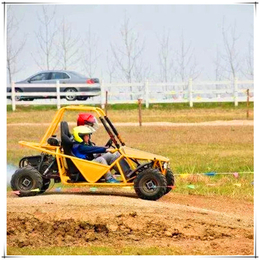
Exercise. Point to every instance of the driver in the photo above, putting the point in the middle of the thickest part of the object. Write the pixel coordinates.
(86, 119)
(83, 149)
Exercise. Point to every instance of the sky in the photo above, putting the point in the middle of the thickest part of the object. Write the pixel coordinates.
(200, 24)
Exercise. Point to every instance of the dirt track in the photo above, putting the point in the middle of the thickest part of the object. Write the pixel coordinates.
(192, 225)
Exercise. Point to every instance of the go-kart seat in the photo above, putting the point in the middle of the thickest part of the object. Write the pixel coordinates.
(66, 143)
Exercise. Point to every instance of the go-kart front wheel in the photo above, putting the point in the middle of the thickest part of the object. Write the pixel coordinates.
(150, 184)
(27, 181)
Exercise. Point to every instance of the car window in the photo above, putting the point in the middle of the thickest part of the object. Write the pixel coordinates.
(40, 76)
(59, 75)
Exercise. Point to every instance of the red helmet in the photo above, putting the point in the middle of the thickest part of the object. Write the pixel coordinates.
(87, 119)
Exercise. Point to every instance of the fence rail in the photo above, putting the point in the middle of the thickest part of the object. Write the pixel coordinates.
(149, 92)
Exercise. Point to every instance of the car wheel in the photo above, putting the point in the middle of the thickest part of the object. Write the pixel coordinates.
(68, 96)
(150, 184)
(17, 90)
(27, 181)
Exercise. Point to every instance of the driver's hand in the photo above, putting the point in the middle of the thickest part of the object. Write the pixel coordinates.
(110, 150)
(109, 143)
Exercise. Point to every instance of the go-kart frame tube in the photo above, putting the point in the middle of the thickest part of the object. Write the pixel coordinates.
(60, 157)
(58, 117)
(109, 132)
(102, 116)
(114, 130)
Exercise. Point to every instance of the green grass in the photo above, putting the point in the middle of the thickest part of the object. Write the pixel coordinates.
(197, 149)
(220, 184)
(166, 106)
(96, 250)
(28, 108)
(129, 113)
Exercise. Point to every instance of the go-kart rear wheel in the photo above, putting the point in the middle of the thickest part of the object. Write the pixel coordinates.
(27, 181)
(150, 184)
(170, 180)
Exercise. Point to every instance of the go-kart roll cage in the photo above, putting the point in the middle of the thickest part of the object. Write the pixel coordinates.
(93, 171)
(102, 116)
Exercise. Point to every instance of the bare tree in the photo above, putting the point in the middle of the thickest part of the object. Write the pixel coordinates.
(187, 66)
(127, 55)
(219, 70)
(90, 56)
(249, 62)
(111, 66)
(218, 66)
(13, 47)
(141, 71)
(166, 58)
(47, 54)
(68, 46)
(231, 56)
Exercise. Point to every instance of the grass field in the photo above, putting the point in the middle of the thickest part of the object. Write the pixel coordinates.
(129, 113)
(95, 250)
(196, 149)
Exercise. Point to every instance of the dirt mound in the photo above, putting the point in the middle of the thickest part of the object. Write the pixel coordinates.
(100, 219)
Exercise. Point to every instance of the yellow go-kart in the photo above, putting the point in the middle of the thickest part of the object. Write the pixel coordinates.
(149, 173)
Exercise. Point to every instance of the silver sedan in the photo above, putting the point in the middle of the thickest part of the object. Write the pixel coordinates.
(71, 78)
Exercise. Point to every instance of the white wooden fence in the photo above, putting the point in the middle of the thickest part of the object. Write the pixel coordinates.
(150, 92)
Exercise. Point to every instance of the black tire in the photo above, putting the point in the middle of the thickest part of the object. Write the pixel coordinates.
(25, 180)
(70, 90)
(170, 180)
(150, 184)
(82, 98)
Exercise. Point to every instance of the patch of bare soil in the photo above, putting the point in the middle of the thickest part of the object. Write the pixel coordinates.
(116, 217)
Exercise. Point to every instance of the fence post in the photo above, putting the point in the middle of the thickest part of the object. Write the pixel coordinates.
(102, 93)
(146, 89)
(58, 93)
(190, 92)
(247, 103)
(140, 111)
(13, 95)
(235, 92)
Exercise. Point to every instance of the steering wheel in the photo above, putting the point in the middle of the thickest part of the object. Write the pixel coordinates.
(109, 143)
